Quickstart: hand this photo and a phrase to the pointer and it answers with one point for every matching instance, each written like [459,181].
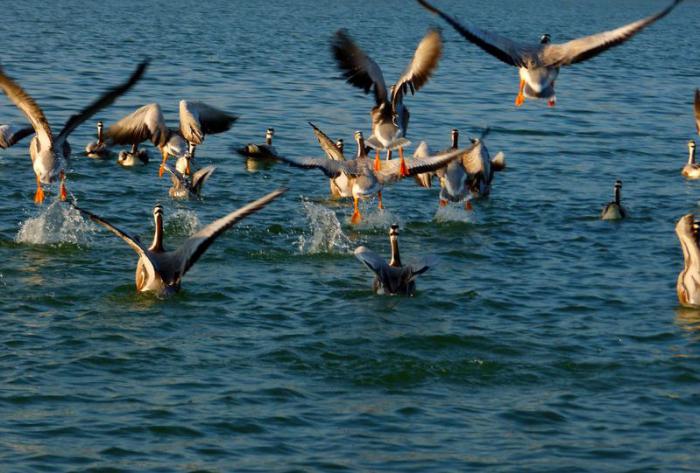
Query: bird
[688,282]
[393,278]
[389,115]
[424,179]
[480,167]
[48,152]
[539,64]
[161,271]
[133,157]
[197,119]
[185,187]
[97,149]
[369,181]
[613,210]
[260,151]
[341,186]
[11,135]
[691,170]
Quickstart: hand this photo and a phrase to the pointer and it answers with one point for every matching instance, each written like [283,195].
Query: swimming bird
[185,187]
[260,151]
[538,64]
[341,186]
[367,180]
[48,151]
[691,170]
[159,270]
[133,157]
[688,283]
[393,277]
[197,119]
[614,210]
[11,135]
[389,115]
[97,149]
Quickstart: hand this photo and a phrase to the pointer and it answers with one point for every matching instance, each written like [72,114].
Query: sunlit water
[545,340]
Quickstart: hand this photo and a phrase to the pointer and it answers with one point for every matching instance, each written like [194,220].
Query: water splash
[56,224]
[378,219]
[454,212]
[326,233]
[182,222]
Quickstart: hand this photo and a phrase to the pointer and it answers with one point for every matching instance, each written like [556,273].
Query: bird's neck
[395,256]
[157,244]
[691,155]
[268,140]
[99,135]
[616,194]
[455,140]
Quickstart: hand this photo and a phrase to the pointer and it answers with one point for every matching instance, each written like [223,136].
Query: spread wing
[132,241]
[423,265]
[198,119]
[697,110]
[587,47]
[105,100]
[146,123]
[10,135]
[498,46]
[372,260]
[358,68]
[390,169]
[200,177]
[30,109]
[419,70]
[327,145]
[327,166]
[195,246]
[425,179]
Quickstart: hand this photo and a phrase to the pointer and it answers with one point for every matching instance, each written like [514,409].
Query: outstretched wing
[30,109]
[358,68]
[419,70]
[372,260]
[10,135]
[195,246]
[146,123]
[200,177]
[498,46]
[132,241]
[327,166]
[105,100]
[327,145]
[198,119]
[390,169]
[423,265]
[587,47]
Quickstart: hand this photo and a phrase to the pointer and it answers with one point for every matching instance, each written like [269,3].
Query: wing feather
[9,135]
[421,67]
[146,123]
[198,119]
[29,107]
[327,145]
[357,67]
[390,169]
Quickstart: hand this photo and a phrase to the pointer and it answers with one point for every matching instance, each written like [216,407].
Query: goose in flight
[538,64]
[159,270]
[393,277]
[389,115]
[367,180]
[614,210]
[48,152]
[11,135]
[197,120]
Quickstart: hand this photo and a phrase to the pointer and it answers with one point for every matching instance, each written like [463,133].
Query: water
[546,340]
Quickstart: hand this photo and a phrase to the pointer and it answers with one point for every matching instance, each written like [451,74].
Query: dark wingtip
[432,9]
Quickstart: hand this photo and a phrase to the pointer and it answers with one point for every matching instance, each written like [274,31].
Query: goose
[97,149]
[159,270]
[480,167]
[185,187]
[367,180]
[688,283]
[613,210]
[393,277]
[424,179]
[134,157]
[389,115]
[691,170]
[260,151]
[538,64]
[11,135]
[48,151]
[341,186]
[197,119]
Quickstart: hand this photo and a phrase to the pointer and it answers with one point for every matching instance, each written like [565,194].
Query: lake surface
[546,340]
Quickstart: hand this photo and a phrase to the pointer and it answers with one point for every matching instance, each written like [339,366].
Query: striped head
[269,133]
[545,38]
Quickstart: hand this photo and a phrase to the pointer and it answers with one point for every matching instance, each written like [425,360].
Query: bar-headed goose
[538,64]
[389,115]
[367,180]
[161,271]
[613,210]
[260,151]
[691,170]
[133,157]
[188,187]
[11,135]
[341,186]
[688,283]
[393,277]
[98,149]
[480,167]
[48,152]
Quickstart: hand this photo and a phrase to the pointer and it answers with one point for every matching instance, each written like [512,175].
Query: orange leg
[63,193]
[39,195]
[443,203]
[468,205]
[356,217]
[162,164]
[187,168]
[379,196]
[377,162]
[403,170]
[520,98]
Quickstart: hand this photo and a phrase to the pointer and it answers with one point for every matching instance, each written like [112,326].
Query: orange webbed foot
[468,206]
[39,195]
[403,170]
[377,162]
[443,203]
[519,100]
[356,218]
